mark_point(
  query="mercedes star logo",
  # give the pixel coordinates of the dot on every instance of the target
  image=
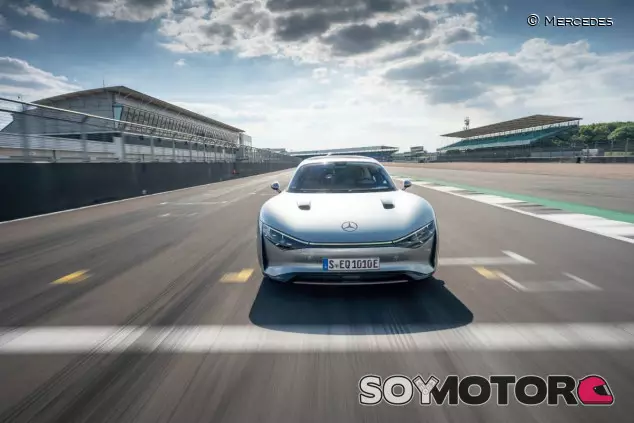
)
(349, 226)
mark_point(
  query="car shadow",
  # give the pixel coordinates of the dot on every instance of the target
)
(348, 310)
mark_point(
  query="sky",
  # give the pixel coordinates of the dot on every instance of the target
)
(318, 74)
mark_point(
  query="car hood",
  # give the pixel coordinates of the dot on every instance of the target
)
(319, 217)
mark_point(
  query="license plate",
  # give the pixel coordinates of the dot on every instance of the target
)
(351, 265)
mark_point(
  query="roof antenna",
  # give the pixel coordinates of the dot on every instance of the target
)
(104, 82)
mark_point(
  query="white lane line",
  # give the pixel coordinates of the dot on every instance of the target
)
(252, 339)
(492, 199)
(583, 220)
(279, 174)
(178, 215)
(201, 203)
(597, 225)
(577, 218)
(520, 259)
(621, 230)
(583, 282)
(556, 286)
(575, 283)
(512, 282)
(512, 258)
(446, 189)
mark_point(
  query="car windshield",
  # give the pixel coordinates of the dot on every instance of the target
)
(341, 177)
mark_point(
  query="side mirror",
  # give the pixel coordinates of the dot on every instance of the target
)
(275, 186)
(406, 184)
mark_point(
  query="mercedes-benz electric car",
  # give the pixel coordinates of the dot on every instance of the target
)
(343, 220)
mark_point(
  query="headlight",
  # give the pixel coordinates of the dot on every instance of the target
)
(281, 240)
(418, 238)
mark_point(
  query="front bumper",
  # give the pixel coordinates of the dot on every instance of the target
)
(305, 265)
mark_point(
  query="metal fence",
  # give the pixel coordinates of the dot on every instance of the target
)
(30, 132)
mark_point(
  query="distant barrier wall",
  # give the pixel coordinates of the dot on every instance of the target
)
(28, 189)
(591, 159)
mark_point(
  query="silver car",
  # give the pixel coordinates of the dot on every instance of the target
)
(342, 220)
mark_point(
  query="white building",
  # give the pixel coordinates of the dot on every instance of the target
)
(124, 104)
(109, 114)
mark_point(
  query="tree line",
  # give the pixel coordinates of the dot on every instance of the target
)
(600, 133)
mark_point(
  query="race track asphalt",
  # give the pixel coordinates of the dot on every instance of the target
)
(607, 193)
(270, 353)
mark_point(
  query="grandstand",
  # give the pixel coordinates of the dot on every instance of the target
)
(382, 153)
(415, 154)
(112, 117)
(525, 137)
(124, 105)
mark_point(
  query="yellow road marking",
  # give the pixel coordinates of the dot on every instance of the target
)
(489, 274)
(74, 277)
(237, 277)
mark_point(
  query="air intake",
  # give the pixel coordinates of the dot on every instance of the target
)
(387, 203)
(303, 204)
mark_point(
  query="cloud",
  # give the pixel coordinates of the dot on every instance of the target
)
(452, 79)
(301, 26)
(452, 30)
(354, 32)
(335, 11)
(24, 35)
(363, 38)
(322, 75)
(122, 10)
(180, 63)
(319, 105)
(570, 69)
(34, 11)
(18, 77)
(3, 23)
(244, 28)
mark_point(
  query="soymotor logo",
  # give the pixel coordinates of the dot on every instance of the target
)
(477, 390)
